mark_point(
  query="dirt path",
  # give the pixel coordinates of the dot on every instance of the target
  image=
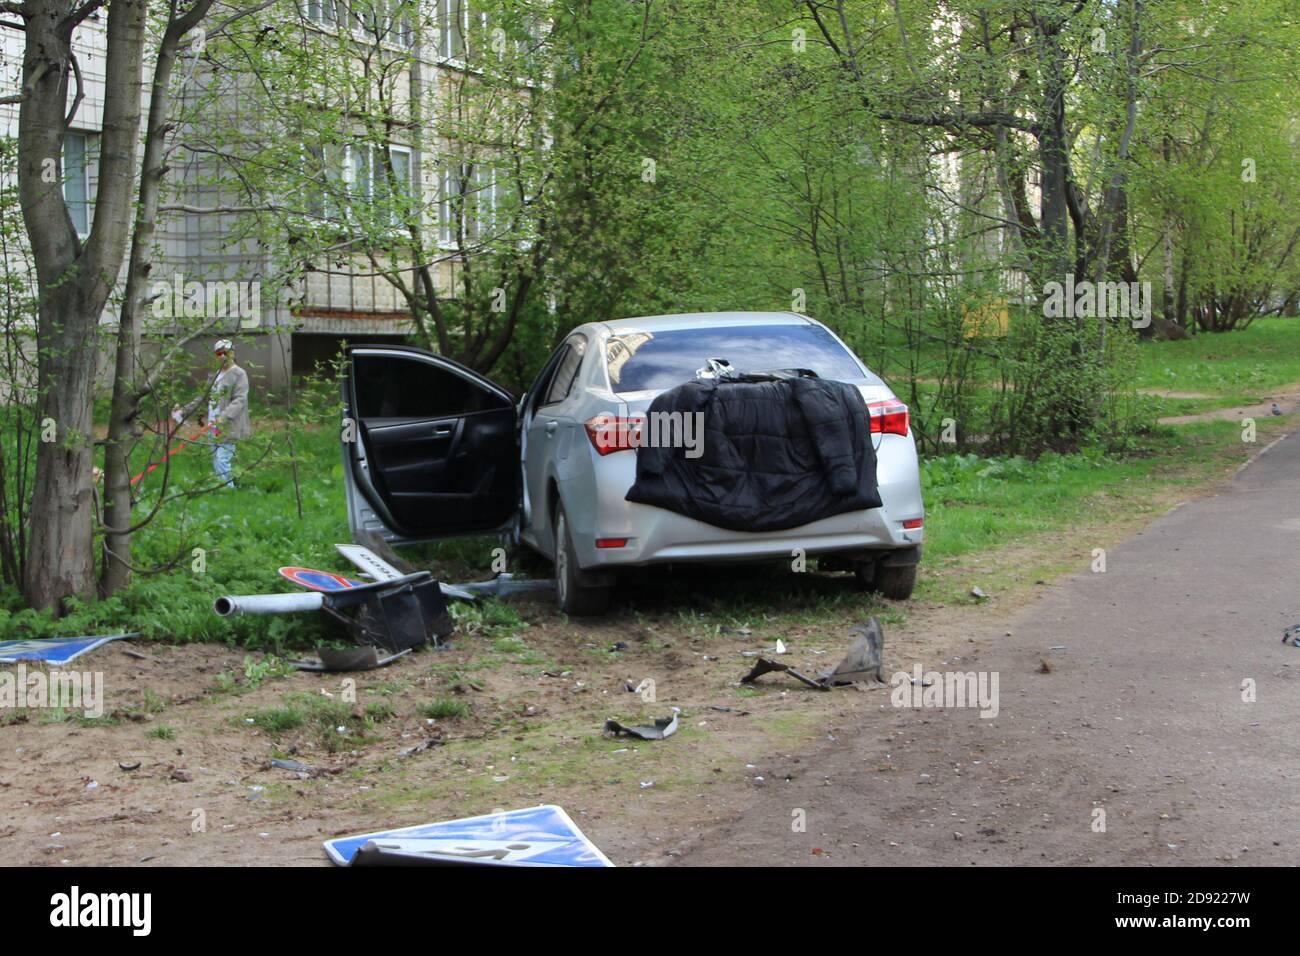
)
(1141, 715)
(1287, 399)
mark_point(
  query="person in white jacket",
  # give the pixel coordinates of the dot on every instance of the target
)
(227, 418)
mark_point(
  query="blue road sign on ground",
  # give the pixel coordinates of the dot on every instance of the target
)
(319, 580)
(54, 650)
(537, 836)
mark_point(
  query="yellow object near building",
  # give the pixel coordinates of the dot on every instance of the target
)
(987, 319)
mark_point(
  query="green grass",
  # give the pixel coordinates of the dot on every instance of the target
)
(329, 723)
(444, 708)
(1244, 364)
(973, 505)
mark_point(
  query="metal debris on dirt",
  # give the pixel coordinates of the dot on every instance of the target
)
(864, 663)
(1291, 635)
(422, 746)
(766, 665)
(295, 765)
(662, 727)
(348, 659)
(865, 660)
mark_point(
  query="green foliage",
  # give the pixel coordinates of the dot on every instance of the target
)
(444, 708)
(326, 722)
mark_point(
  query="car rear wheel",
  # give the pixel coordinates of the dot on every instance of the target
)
(895, 583)
(571, 594)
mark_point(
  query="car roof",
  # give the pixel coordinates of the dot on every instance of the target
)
(687, 320)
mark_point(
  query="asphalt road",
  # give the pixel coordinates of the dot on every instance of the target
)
(1146, 715)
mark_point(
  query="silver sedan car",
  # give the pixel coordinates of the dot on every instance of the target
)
(433, 450)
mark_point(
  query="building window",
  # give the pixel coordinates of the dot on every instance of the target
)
(389, 189)
(388, 22)
(351, 176)
(320, 11)
(485, 202)
(453, 25)
(326, 179)
(76, 180)
(478, 203)
(449, 186)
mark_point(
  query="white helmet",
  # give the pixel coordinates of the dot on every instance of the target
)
(224, 345)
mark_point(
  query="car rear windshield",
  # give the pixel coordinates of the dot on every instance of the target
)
(659, 360)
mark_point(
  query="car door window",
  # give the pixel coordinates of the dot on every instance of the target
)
(566, 371)
(408, 388)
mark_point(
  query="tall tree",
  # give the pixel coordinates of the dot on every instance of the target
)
(74, 278)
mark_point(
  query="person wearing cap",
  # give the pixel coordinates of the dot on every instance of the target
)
(227, 419)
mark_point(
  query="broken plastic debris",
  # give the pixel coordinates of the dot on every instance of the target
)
(863, 663)
(663, 727)
(865, 659)
(421, 746)
(349, 659)
(293, 765)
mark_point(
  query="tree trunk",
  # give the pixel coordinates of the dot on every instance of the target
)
(73, 280)
(115, 573)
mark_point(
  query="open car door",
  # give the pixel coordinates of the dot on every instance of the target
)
(430, 448)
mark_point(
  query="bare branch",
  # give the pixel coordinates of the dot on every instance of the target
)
(29, 86)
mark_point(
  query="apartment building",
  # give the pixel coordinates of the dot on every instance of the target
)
(213, 264)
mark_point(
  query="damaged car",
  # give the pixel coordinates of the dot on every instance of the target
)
(777, 442)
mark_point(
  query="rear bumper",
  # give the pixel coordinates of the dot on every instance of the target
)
(594, 501)
(667, 537)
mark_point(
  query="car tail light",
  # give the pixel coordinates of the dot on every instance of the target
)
(913, 523)
(888, 417)
(611, 542)
(611, 433)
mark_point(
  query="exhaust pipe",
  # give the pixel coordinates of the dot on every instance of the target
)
(237, 604)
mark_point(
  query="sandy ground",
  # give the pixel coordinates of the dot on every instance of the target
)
(207, 794)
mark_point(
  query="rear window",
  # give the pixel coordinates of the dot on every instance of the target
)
(660, 360)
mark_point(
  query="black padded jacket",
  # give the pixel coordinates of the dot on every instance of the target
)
(778, 452)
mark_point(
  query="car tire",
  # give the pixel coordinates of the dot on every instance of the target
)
(895, 583)
(572, 596)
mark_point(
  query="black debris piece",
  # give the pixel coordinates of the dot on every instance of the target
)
(766, 665)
